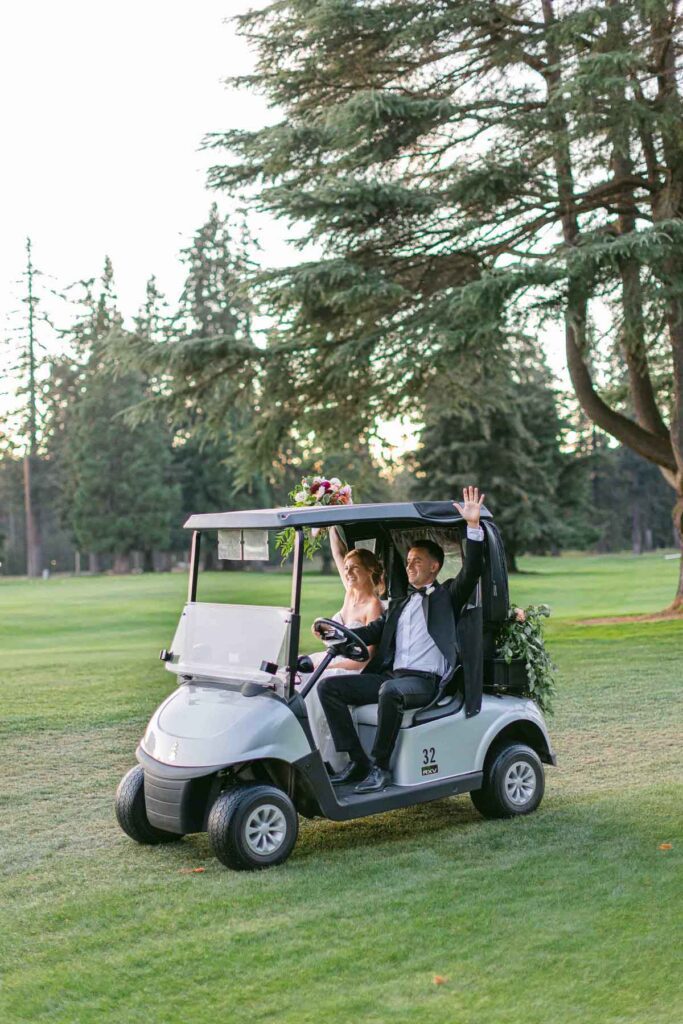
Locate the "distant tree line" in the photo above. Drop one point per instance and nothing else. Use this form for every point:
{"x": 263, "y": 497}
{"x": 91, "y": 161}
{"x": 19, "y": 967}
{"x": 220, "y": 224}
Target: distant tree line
{"x": 131, "y": 438}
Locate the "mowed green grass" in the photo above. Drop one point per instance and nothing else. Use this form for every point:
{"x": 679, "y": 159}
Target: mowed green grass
{"x": 570, "y": 915}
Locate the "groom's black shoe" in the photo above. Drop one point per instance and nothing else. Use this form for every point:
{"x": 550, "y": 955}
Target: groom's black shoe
{"x": 353, "y": 771}
{"x": 376, "y": 779}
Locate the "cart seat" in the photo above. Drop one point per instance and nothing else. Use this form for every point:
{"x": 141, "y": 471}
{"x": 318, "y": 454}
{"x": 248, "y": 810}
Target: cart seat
{"x": 366, "y": 714}
{"x": 448, "y": 701}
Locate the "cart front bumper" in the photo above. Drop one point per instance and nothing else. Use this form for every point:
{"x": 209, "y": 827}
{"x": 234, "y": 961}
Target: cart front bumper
{"x": 175, "y": 797}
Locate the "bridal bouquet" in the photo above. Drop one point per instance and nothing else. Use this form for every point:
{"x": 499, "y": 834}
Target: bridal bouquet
{"x": 521, "y": 638}
{"x": 317, "y": 490}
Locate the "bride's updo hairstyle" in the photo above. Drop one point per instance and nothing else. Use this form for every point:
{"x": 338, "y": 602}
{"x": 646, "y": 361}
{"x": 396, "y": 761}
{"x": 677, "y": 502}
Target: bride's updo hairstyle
{"x": 373, "y": 565}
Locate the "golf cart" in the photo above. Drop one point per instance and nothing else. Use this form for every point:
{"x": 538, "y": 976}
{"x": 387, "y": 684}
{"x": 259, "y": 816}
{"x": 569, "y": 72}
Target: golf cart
{"x": 230, "y": 751}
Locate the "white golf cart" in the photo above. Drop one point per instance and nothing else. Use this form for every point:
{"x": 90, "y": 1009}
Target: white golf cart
{"x": 230, "y": 751}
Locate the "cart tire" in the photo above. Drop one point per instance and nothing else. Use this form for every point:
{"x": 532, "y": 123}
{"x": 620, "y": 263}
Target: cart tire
{"x": 514, "y": 782}
{"x": 252, "y": 827}
{"x": 131, "y": 813}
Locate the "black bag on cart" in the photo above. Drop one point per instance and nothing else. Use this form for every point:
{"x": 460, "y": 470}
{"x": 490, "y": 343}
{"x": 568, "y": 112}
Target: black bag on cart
{"x": 507, "y": 677}
{"x": 495, "y": 599}
{"x": 469, "y": 634}
{"x": 495, "y": 594}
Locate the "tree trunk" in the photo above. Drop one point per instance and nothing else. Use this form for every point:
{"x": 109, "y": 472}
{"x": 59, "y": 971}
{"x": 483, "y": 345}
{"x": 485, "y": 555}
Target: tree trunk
{"x": 148, "y": 560}
{"x": 633, "y": 337}
{"x": 77, "y": 563}
{"x": 677, "y": 603}
{"x": 14, "y": 540}
{"x": 93, "y": 562}
{"x": 33, "y": 554}
{"x": 511, "y": 560}
{"x": 636, "y": 538}
{"x": 121, "y": 564}
{"x": 667, "y": 203}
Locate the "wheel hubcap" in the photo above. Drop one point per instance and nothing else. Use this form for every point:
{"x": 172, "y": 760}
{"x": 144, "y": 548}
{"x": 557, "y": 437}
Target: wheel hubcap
{"x": 520, "y": 783}
{"x": 265, "y": 829}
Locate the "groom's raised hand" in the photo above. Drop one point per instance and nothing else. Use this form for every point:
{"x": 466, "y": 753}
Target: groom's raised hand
{"x": 471, "y": 506}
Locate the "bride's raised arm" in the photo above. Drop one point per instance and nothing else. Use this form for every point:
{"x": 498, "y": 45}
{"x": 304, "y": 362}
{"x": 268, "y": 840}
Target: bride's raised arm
{"x": 339, "y": 552}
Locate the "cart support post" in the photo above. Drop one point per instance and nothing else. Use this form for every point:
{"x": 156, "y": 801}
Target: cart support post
{"x": 295, "y": 622}
{"x": 194, "y": 565}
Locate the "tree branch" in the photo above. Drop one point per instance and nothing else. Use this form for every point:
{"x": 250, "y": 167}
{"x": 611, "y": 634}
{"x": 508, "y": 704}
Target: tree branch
{"x": 651, "y": 446}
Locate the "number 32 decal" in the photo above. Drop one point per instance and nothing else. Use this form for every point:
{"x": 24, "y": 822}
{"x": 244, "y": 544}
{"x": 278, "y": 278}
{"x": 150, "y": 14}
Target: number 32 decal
{"x": 428, "y": 755}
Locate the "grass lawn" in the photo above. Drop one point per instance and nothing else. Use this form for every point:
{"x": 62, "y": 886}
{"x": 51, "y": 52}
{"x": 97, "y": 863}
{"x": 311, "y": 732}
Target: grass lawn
{"x": 570, "y": 915}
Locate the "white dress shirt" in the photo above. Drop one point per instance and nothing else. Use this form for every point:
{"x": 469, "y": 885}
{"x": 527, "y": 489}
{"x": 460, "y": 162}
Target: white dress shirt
{"x": 414, "y": 646}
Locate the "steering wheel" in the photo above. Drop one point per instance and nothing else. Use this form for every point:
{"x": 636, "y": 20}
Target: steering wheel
{"x": 341, "y": 639}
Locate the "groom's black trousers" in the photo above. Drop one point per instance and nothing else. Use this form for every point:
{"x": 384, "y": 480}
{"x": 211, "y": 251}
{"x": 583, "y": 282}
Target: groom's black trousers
{"x": 394, "y": 692}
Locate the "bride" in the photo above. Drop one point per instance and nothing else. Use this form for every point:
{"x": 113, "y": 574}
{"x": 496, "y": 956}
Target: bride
{"x": 363, "y": 578}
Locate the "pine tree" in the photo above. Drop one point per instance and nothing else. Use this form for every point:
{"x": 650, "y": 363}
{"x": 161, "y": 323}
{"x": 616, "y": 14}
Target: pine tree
{"x": 512, "y": 452}
{"x": 117, "y": 496}
{"x": 452, "y": 160}
{"x": 33, "y": 544}
{"x": 24, "y": 362}
{"x": 200, "y": 360}
{"x": 201, "y": 367}
{"x": 121, "y": 499}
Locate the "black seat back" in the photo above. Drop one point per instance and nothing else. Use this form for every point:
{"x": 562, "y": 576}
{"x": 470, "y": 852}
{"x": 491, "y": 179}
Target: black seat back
{"x": 495, "y": 594}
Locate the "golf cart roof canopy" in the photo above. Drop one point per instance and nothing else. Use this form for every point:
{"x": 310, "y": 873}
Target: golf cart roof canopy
{"x": 436, "y": 512}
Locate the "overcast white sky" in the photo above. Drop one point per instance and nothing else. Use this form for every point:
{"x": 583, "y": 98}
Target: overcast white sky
{"x": 104, "y": 107}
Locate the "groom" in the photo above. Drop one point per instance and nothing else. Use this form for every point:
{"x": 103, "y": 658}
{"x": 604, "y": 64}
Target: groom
{"x": 417, "y": 650}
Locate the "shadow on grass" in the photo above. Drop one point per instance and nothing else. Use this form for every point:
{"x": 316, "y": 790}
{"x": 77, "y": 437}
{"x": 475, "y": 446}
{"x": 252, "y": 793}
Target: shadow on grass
{"x": 319, "y": 836}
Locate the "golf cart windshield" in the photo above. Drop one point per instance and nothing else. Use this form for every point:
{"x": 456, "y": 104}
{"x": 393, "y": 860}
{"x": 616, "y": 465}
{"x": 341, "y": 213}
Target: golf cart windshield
{"x": 230, "y": 641}
{"x": 236, "y": 643}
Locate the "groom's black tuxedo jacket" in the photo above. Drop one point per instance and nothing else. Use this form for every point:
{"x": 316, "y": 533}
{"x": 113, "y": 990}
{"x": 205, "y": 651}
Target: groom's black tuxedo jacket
{"x": 444, "y": 605}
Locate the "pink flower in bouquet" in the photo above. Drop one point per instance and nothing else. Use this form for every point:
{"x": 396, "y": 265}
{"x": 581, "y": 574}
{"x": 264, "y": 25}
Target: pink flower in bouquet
{"x": 520, "y": 615}
{"x": 318, "y": 490}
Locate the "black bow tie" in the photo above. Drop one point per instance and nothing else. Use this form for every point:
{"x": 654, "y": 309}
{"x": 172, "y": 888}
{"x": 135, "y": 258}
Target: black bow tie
{"x": 420, "y": 590}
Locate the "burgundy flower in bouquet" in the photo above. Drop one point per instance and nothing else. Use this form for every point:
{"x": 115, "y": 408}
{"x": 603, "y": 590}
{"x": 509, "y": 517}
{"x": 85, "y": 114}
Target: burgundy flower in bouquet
{"x": 317, "y": 490}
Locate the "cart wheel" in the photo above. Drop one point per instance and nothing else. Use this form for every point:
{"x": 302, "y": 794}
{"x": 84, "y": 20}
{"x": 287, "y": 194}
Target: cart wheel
{"x": 513, "y": 783}
{"x": 131, "y": 813}
{"x": 252, "y": 827}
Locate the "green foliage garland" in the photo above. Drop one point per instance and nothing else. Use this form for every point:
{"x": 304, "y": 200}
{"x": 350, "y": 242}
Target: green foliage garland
{"x": 522, "y": 637}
